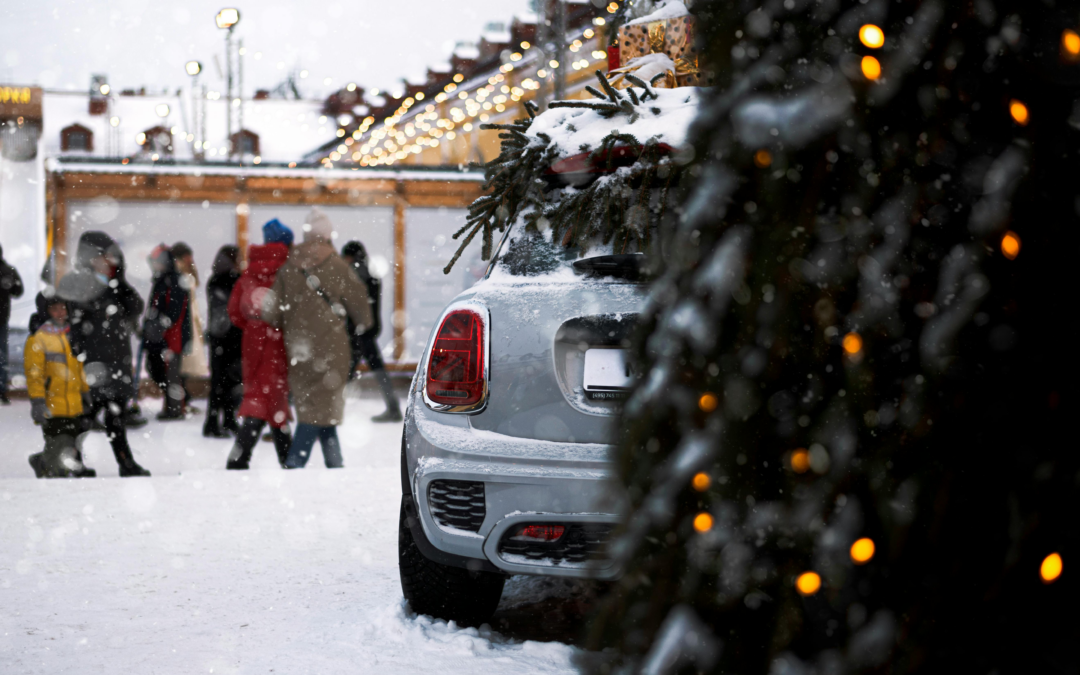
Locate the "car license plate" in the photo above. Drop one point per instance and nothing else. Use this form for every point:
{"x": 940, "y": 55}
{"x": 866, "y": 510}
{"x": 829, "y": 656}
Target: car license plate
{"x": 607, "y": 374}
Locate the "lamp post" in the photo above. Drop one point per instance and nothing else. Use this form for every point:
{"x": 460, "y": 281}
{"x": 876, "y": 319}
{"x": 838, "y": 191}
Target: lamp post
{"x": 227, "y": 19}
{"x": 198, "y": 103}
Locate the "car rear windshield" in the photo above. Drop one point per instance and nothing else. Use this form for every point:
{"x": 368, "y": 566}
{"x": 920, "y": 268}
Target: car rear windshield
{"x": 530, "y": 254}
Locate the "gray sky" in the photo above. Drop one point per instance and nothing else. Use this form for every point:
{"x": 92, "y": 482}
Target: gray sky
{"x": 59, "y": 43}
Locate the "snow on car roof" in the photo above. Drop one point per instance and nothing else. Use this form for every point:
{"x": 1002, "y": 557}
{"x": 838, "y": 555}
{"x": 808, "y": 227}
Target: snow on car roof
{"x": 667, "y": 119}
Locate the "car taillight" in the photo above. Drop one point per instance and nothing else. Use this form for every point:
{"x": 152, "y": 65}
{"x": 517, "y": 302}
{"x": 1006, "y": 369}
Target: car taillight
{"x": 540, "y": 532}
{"x": 455, "y": 373}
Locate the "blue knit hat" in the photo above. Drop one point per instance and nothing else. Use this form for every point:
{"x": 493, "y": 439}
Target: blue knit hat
{"x": 276, "y": 232}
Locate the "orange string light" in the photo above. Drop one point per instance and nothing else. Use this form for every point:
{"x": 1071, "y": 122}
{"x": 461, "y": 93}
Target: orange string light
{"x": 1051, "y": 568}
{"x": 701, "y": 482}
{"x": 703, "y": 522}
{"x": 708, "y": 402}
{"x": 1070, "y": 43}
{"x": 1019, "y": 112}
{"x": 808, "y": 583}
{"x": 800, "y": 461}
{"x": 762, "y": 158}
{"x": 871, "y": 36}
{"x": 862, "y": 551}
{"x": 1010, "y": 245}
{"x": 871, "y": 67}
{"x": 852, "y": 344}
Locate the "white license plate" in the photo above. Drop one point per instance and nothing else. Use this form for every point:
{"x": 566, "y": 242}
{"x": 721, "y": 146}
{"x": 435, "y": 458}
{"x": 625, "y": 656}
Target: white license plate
{"x": 607, "y": 374}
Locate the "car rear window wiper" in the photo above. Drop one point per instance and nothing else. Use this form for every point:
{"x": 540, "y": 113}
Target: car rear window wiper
{"x": 630, "y": 266}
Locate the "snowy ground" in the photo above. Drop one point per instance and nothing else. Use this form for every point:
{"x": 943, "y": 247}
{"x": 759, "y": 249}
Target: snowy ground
{"x": 201, "y": 570}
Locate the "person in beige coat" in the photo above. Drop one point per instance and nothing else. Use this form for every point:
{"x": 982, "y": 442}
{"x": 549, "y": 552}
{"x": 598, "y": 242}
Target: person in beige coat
{"x": 313, "y": 293}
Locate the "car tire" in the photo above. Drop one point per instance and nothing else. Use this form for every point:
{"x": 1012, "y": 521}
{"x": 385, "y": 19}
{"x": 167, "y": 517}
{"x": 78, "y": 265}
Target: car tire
{"x": 466, "y": 597}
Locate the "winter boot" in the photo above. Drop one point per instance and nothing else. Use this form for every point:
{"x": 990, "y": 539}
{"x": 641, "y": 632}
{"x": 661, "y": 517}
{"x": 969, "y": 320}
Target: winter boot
{"x": 37, "y": 463}
{"x": 239, "y": 458}
{"x": 393, "y": 408}
{"x": 126, "y": 462}
{"x": 133, "y": 418}
{"x": 212, "y": 428}
{"x": 228, "y": 420}
{"x": 282, "y": 442}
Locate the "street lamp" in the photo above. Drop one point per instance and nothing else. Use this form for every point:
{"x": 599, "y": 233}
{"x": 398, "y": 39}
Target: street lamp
{"x": 227, "y": 19}
{"x": 162, "y": 110}
{"x": 193, "y": 68}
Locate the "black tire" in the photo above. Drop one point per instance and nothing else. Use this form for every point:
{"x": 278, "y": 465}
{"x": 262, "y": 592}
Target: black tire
{"x": 450, "y": 593}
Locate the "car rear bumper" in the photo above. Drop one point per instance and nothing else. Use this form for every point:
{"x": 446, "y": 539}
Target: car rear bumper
{"x": 524, "y": 482}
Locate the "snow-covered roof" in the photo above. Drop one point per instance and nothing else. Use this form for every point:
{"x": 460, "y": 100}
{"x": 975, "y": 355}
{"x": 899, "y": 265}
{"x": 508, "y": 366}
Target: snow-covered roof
{"x": 467, "y": 50}
{"x": 287, "y": 129}
{"x": 665, "y": 119}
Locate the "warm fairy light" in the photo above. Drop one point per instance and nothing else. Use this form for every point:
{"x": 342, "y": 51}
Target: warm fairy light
{"x": 703, "y": 522}
{"x": 871, "y": 36}
{"x": 612, "y": 7}
{"x": 1019, "y": 112}
{"x": 1050, "y": 569}
{"x": 871, "y": 67}
{"x": 1010, "y": 245}
{"x": 800, "y": 461}
{"x": 852, "y": 344}
{"x": 762, "y": 158}
{"x": 701, "y": 481}
{"x": 862, "y": 550}
{"x": 1070, "y": 43}
{"x": 707, "y": 402}
{"x": 808, "y": 583}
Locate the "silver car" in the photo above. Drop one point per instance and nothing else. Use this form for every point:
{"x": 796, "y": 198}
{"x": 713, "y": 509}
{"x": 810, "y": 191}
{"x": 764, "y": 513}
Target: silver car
{"x": 506, "y": 452}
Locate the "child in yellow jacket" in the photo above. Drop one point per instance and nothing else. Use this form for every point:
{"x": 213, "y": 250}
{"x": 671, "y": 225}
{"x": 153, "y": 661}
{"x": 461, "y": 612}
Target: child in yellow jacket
{"x": 56, "y": 384}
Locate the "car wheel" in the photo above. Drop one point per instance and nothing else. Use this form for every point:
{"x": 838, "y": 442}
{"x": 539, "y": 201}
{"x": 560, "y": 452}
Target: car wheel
{"x": 450, "y": 593}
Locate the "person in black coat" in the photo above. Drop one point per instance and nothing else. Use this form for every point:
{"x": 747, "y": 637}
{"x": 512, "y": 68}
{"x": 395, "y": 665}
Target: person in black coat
{"x": 226, "y": 386}
{"x": 11, "y": 286}
{"x": 364, "y": 345}
{"x": 166, "y": 331}
{"x": 104, "y": 312}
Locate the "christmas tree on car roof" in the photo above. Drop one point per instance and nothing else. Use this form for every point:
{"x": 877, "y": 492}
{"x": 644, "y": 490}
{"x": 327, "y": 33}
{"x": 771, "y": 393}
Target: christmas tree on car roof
{"x": 598, "y": 171}
{"x": 851, "y": 449}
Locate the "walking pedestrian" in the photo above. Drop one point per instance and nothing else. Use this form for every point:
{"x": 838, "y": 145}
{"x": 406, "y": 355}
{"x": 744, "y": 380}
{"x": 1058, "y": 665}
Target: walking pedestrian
{"x": 166, "y": 331}
{"x": 104, "y": 309}
{"x": 11, "y": 286}
{"x": 225, "y": 346}
{"x": 193, "y": 363}
{"x": 313, "y": 293}
{"x": 364, "y": 345}
{"x": 265, "y": 368}
{"x": 57, "y": 386}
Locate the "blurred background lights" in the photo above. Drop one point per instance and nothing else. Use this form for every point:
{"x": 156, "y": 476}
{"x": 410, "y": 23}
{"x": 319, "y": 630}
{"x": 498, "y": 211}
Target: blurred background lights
{"x": 702, "y": 481}
{"x": 808, "y": 583}
{"x": 1019, "y": 112}
{"x": 862, "y": 551}
{"x": 703, "y": 522}
{"x": 1010, "y": 245}
{"x": 852, "y": 344}
{"x": 871, "y": 36}
{"x": 871, "y": 67}
{"x": 1051, "y": 567}
{"x": 762, "y": 158}
{"x": 193, "y": 68}
{"x": 104, "y": 89}
{"x": 114, "y": 121}
{"x": 162, "y": 109}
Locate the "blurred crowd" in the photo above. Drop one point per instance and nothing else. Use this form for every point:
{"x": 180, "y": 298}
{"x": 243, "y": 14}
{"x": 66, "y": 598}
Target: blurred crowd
{"x": 286, "y": 328}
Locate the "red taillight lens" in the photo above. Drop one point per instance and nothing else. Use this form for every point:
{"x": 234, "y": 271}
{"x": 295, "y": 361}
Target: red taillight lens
{"x": 540, "y": 532}
{"x": 455, "y": 373}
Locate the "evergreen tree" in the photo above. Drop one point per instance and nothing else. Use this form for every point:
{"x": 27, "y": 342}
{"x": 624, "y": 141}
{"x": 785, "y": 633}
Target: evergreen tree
{"x": 853, "y": 447}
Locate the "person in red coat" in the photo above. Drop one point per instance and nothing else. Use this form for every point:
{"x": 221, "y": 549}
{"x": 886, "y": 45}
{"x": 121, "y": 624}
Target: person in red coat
{"x": 263, "y": 361}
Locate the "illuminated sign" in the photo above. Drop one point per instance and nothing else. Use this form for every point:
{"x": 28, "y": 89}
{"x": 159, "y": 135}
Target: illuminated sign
{"x": 18, "y": 102}
{"x": 15, "y": 95}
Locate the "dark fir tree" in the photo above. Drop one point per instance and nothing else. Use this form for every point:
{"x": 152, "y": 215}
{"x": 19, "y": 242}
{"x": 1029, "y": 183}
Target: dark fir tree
{"x": 854, "y": 447}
